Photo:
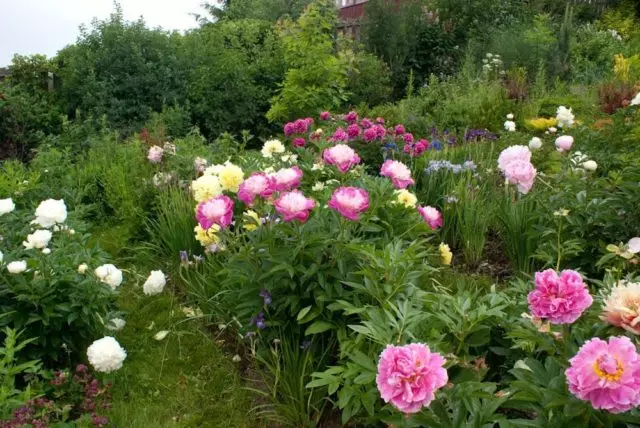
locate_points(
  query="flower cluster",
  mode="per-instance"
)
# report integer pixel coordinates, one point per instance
(564, 117)
(435, 166)
(480, 135)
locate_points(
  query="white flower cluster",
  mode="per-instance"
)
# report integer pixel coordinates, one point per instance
(492, 62)
(155, 283)
(565, 117)
(510, 125)
(110, 275)
(271, 147)
(106, 355)
(615, 34)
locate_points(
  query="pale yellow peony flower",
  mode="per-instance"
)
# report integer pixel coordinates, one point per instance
(206, 187)
(214, 169)
(622, 307)
(251, 220)
(231, 177)
(445, 254)
(272, 146)
(207, 237)
(406, 198)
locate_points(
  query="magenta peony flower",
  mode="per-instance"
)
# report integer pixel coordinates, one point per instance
(353, 130)
(408, 138)
(351, 117)
(294, 206)
(258, 184)
(432, 216)
(522, 174)
(349, 202)
(218, 210)
(288, 178)
(607, 374)
(560, 299)
(342, 156)
(370, 134)
(513, 153)
(289, 129)
(380, 131)
(399, 129)
(155, 154)
(299, 142)
(416, 149)
(564, 143)
(366, 123)
(325, 115)
(339, 135)
(302, 125)
(398, 172)
(409, 376)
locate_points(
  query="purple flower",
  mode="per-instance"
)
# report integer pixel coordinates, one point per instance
(258, 321)
(266, 296)
(184, 257)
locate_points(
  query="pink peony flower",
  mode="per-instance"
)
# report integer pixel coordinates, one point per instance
(302, 125)
(370, 134)
(342, 156)
(258, 184)
(349, 202)
(325, 115)
(416, 149)
(339, 135)
(564, 143)
(522, 174)
(218, 210)
(294, 206)
(155, 154)
(520, 153)
(408, 138)
(560, 299)
(353, 130)
(351, 117)
(622, 307)
(432, 216)
(288, 178)
(299, 142)
(399, 129)
(289, 129)
(607, 374)
(398, 172)
(409, 376)
(366, 123)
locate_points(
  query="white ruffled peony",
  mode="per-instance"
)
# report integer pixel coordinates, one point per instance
(17, 267)
(272, 146)
(38, 239)
(116, 324)
(510, 126)
(206, 187)
(565, 117)
(535, 143)
(110, 275)
(50, 212)
(590, 165)
(83, 268)
(155, 283)
(106, 355)
(6, 206)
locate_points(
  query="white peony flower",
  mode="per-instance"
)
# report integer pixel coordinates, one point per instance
(17, 267)
(110, 275)
(565, 117)
(319, 186)
(634, 245)
(155, 283)
(272, 146)
(106, 355)
(535, 143)
(6, 206)
(510, 116)
(634, 102)
(38, 239)
(590, 165)
(510, 126)
(552, 130)
(46, 251)
(116, 324)
(50, 212)
(83, 268)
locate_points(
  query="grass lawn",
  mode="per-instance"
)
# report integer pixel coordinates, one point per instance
(181, 381)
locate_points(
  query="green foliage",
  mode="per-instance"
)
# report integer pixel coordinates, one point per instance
(268, 10)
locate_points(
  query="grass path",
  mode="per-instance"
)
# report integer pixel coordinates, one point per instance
(181, 381)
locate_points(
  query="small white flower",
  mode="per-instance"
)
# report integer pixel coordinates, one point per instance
(161, 335)
(17, 267)
(590, 165)
(535, 143)
(110, 275)
(510, 126)
(318, 166)
(155, 283)
(6, 206)
(106, 355)
(634, 245)
(50, 212)
(83, 268)
(272, 146)
(38, 239)
(116, 324)
(236, 358)
(46, 251)
(510, 116)
(553, 130)
(319, 186)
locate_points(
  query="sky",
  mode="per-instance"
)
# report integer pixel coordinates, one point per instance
(46, 26)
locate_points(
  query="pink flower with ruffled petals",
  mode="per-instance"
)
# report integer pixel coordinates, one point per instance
(607, 374)
(398, 172)
(294, 206)
(325, 115)
(366, 123)
(399, 129)
(409, 376)
(408, 138)
(353, 130)
(287, 178)
(299, 142)
(522, 174)
(339, 135)
(342, 156)
(302, 125)
(564, 143)
(380, 131)
(370, 134)
(432, 216)
(155, 154)
(560, 299)
(289, 129)
(351, 117)
(513, 153)
(218, 210)
(259, 184)
(349, 202)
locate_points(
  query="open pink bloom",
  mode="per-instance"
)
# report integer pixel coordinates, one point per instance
(380, 131)
(416, 149)
(294, 206)
(432, 216)
(302, 125)
(287, 178)
(299, 142)
(155, 154)
(218, 210)
(289, 129)
(339, 135)
(325, 115)
(349, 202)
(370, 134)
(398, 172)
(560, 299)
(607, 374)
(366, 123)
(522, 174)
(351, 117)
(564, 143)
(399, 129)
(622, 307)
(409, 376)
(408, 138)
(513, 153)
(353, 130)
(259, 184)
(342, 156)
